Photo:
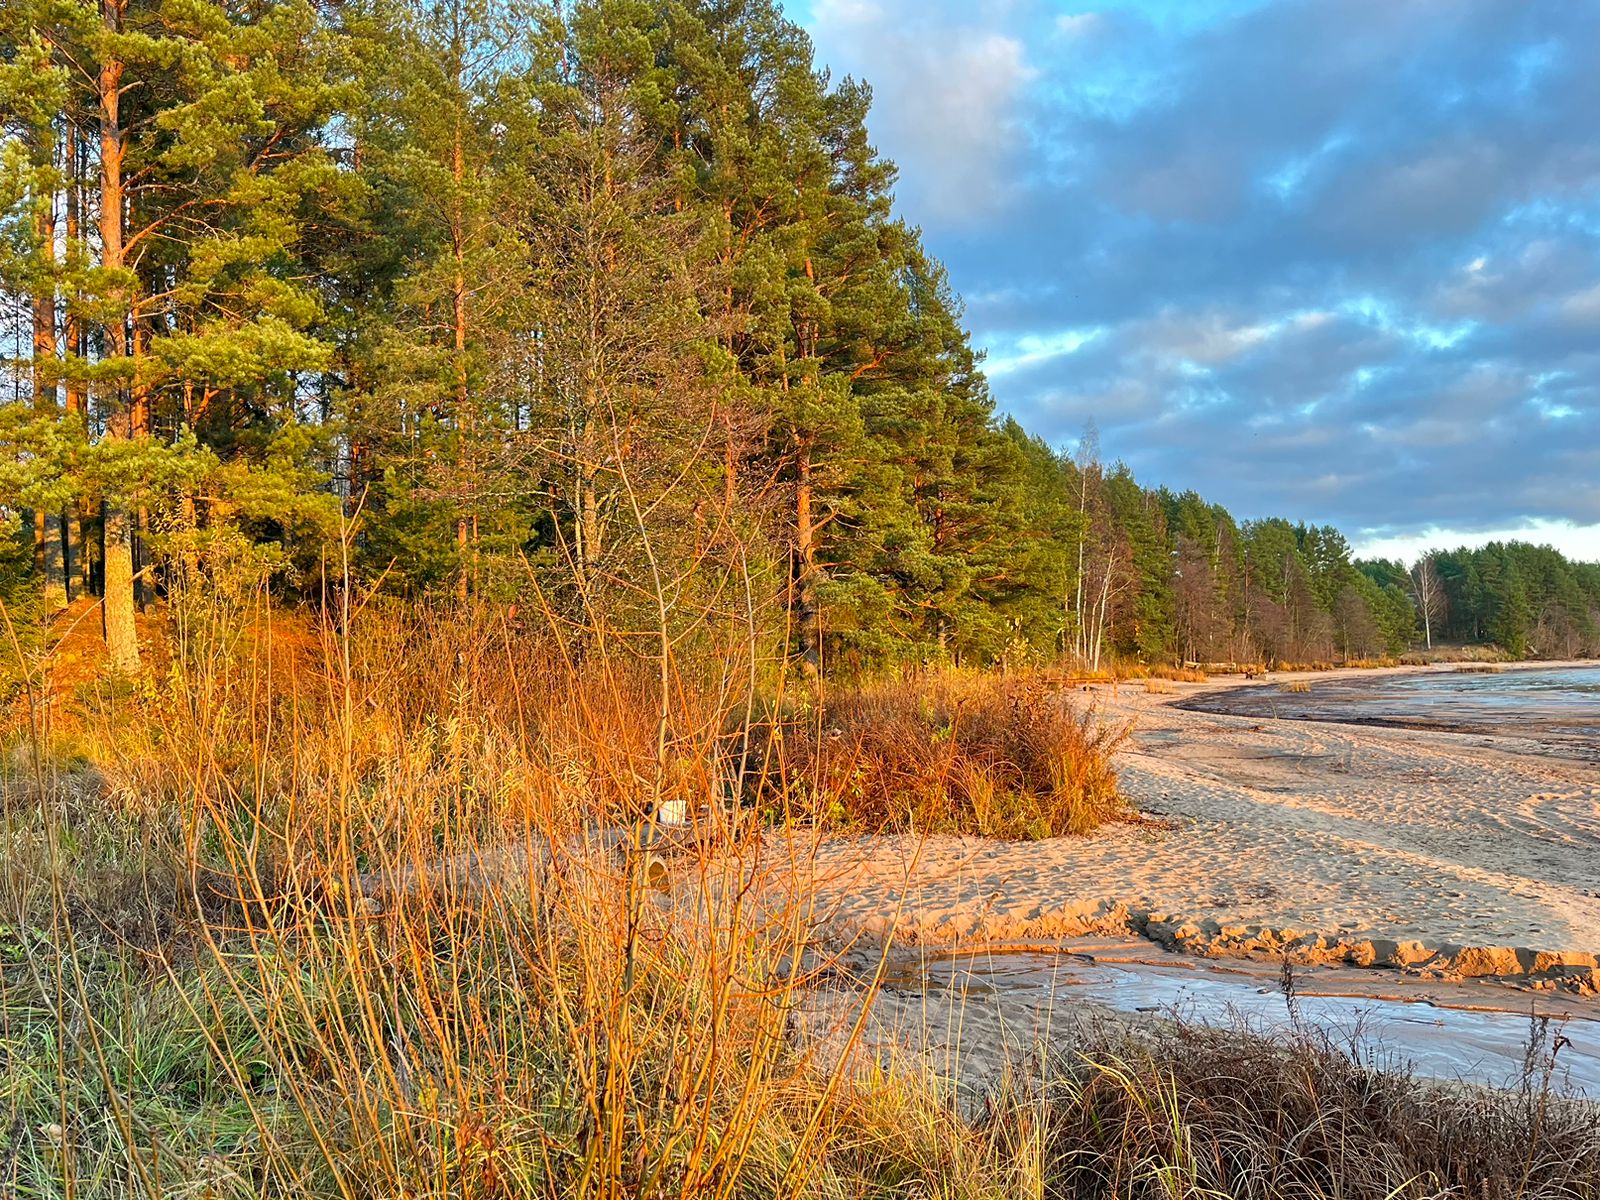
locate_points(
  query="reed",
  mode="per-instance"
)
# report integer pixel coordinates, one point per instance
(357, 907)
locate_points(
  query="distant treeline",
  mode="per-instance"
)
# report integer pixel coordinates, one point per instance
(599, 309)
(1523, 598)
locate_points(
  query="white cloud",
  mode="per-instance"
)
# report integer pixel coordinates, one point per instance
(1580, 542)
(840, 13)
(1204, 339)
(1032, 349)
(1584, 306)
(1076, 25)
(945, 94)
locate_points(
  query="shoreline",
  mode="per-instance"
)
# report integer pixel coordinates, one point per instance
(1552, 733)
(1396, 854)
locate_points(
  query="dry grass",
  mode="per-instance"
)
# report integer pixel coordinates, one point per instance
(1455, 654)
(1190, 1111)
(200, 994)
(203, 992)
(1160, 671)
(1296, 686)
(1000, 756)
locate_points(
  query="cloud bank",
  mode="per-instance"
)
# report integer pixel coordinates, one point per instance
(1331, 261)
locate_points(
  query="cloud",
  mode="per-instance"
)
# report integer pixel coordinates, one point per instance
(1579, 541)
(945, 100)
(1077, 25)
(1337, 262)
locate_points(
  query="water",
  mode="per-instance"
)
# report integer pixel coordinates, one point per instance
(1484, 1047)
(1559, 706)
(1563, 693)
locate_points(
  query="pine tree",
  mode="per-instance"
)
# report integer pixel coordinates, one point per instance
(33, 91)
(201, 127)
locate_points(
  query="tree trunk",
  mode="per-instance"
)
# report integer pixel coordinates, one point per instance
(122, 639)
(466, 540)
(1100, 619)
(142, 424)
(805, 542)
(72, 541)
(53, 563)
(117, 609)
(47, 525)
(188, 561)
(1080, 633)
(589, 535)
(730, 469)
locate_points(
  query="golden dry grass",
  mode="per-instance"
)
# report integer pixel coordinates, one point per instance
(339, 910)
(1001, 756)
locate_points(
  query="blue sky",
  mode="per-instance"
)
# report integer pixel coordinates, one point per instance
(1334, 260)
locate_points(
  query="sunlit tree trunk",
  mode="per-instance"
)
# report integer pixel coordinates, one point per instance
(72, 542)
(117, 606)
(463, 402)
(805, 541)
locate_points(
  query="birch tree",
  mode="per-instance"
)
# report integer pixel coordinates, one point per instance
(1428, 595)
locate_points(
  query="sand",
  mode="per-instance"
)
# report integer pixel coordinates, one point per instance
(1440, 854)
(1425, 870)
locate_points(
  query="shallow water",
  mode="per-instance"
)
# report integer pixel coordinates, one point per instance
(1438, 1042)
(1557, 704)
(1556, 691)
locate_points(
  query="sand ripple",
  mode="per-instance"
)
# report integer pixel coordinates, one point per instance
(1435, 852)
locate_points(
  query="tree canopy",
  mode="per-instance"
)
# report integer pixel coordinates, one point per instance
(606, 303)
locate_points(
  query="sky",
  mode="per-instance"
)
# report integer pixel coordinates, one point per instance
(1334, 261)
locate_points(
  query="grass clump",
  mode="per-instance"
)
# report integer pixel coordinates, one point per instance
(999, 756)
(1186, 1110)
(1176, 674)
(1456, 654)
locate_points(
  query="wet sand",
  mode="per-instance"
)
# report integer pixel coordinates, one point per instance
(969, 1019)
(1549, 708)
(1431, 888)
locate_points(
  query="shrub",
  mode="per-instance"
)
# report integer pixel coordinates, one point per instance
(997, 756)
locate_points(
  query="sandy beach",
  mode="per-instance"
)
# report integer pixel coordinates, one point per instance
(1440, 854)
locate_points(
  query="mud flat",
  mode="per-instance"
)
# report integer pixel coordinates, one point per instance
(1436, 854)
